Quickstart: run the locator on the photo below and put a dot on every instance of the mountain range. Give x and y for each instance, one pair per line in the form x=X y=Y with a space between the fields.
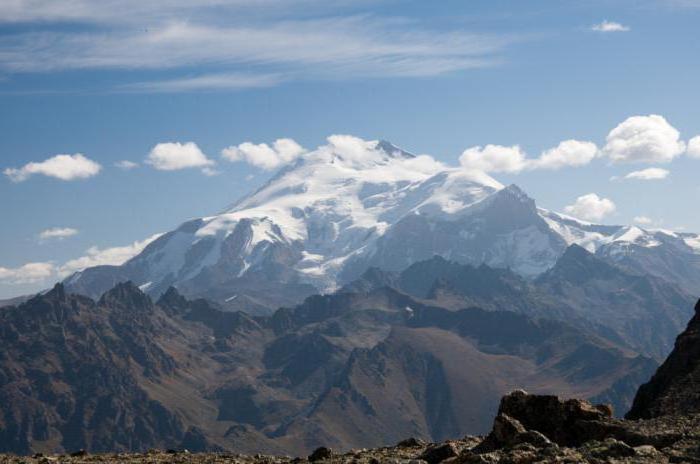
x=347 y=370
x=363 y=295
x=322 y=221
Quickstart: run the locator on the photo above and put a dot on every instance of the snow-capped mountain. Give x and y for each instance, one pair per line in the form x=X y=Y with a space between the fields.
x=352 y=204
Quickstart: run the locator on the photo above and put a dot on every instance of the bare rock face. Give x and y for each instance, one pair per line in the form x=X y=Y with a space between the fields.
x=538 y=419
x=675 y=388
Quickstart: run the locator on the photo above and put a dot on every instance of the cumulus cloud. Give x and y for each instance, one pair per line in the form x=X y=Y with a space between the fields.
x=172 y=156
x=591 y=207
x=573 y=153
x=494 y=158
x=126 y=165
x=27 y=274
x=648 y=174
x=264 y=156
x=643 y=220
x=694 y=147
x=96 y=256
x=58 y=233
x=499 y=158
x=609 y=26
x=64 y=167
x=643 y=139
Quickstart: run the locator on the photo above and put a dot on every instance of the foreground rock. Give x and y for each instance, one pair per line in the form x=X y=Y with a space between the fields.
x=527 y=429
x=675 y=388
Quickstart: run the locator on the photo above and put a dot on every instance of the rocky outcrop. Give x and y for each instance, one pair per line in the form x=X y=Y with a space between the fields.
x=675 y=388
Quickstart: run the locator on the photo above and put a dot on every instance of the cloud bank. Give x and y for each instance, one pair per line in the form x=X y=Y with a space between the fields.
x=27 y=274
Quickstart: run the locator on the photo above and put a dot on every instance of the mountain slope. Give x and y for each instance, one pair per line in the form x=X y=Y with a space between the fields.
x=351 y=205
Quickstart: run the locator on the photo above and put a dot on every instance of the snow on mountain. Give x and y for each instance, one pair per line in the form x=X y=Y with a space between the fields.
x=352 y=204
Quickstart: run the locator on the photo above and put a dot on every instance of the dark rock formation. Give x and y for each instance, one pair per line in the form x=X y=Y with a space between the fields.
x=675 y=388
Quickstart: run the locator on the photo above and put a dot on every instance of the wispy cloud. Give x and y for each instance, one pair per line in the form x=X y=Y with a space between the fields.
x=223 y=81
x=249 y=49
x=649 y=174
x=126 y=165
x=57 y=233
x=609 y=26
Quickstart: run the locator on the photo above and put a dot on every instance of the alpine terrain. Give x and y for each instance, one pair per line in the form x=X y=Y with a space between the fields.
x=352 y=204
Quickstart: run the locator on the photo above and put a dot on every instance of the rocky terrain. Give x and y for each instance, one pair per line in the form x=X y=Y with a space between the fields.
x=364 y=367
x=527 y=429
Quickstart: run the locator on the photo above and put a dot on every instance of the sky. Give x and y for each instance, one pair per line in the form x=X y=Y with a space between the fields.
x=121 y=119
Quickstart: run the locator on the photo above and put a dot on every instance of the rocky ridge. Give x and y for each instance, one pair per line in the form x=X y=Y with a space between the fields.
x=527 y=428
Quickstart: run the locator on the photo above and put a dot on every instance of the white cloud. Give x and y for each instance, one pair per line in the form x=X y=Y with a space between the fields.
x=64 y=167
x=185 y=35
x=494 y=158
x=27 y=274
x=104 y=256
x=573 y=153
x=498 y=158
x=173 y=156
x=32 y=273
x=643 y=220
x=126 y=165
x=58 y=233
x=644 y=139
x=591 y=207
x=694 y=147
x=217 y=81
x=648 y=174
x=282 y=151
x=609 y=26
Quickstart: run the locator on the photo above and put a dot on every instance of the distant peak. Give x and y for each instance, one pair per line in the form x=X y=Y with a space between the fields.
x=126 y=294
x=516 y=191
x=392 y=150
x=57 y=292
x=172 y=299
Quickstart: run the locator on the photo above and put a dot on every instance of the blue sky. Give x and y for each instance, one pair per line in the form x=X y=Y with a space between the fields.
x=112 y=80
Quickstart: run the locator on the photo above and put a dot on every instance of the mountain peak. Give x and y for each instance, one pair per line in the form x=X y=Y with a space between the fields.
x=126 y=294
x=392 y=150
x=58 y=292
x=578 y=265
